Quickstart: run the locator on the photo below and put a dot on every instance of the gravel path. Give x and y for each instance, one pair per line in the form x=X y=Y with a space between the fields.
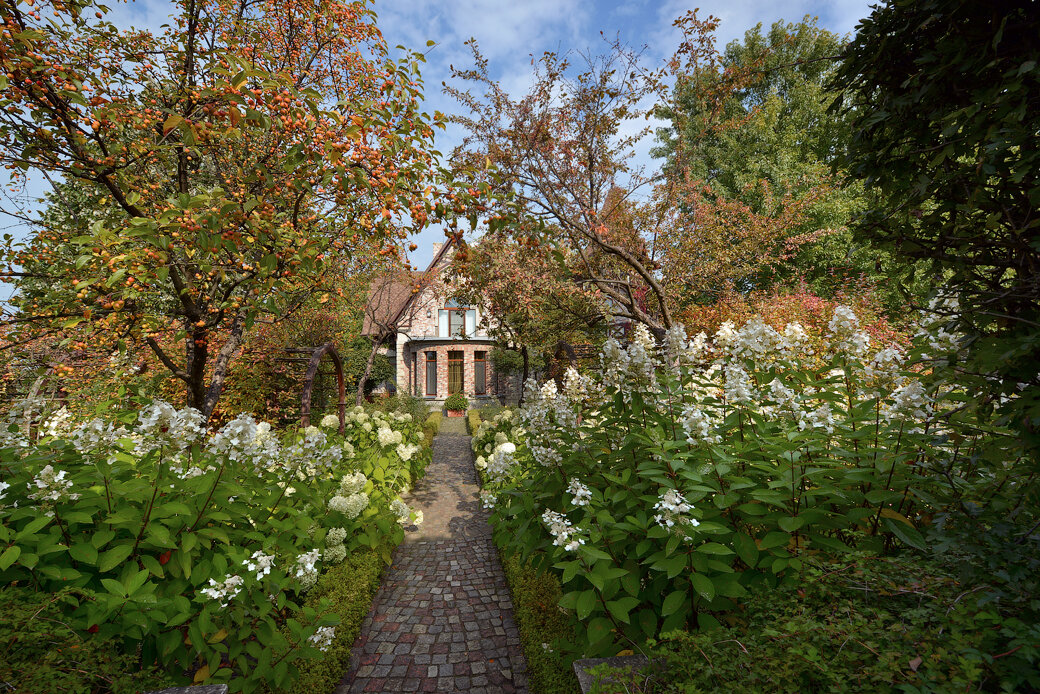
x=443 y=619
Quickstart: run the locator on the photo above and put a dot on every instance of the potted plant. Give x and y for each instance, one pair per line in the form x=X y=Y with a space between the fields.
x=456 y=405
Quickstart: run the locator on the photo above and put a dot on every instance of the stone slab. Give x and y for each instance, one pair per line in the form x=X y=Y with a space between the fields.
x=582 y=667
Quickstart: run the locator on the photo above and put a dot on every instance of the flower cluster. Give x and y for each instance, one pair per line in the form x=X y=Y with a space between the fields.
x=322 y=638
x=260 y=563
x=672 y=512
x=51 y=485
x=224 y=591
x=564 y=534
x=581 y=495
x=163 y=425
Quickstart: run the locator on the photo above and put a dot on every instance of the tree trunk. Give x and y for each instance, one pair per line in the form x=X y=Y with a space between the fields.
x=527 y=371
x=368 y=370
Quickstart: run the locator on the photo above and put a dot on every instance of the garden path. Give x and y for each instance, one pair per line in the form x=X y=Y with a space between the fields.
x=443 y=619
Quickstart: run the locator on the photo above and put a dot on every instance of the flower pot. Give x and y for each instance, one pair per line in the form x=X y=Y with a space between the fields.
x=456 y=413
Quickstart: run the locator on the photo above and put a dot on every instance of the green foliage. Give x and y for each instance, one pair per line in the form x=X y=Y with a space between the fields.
x=944 y=102
x=864 y=624
x=42 y=653
x=194 y=552
x=664 y=489
x=511 y=361
x=402 y=403
x=456 y=401
x=472 y=421
x=432 y=425
x=543 y=628
x=346 y=590
x=777 y=129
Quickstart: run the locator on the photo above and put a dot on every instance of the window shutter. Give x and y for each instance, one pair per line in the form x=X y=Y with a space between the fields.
x=471 y=323
x=442 y=323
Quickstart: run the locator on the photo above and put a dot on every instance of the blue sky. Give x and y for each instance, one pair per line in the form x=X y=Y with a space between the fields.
x=511 y=31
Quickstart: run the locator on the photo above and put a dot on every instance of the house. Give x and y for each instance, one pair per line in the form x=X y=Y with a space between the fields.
x=437 y=345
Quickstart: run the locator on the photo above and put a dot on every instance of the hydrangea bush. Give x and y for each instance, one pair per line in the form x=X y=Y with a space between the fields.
x=196 y=548
x=679 y=475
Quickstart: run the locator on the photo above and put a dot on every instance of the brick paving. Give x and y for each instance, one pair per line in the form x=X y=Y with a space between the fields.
x=443 y=619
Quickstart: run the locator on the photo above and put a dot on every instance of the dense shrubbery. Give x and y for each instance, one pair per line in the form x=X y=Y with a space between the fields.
x=863 y=624
x=678 y=479
x=197 y=550
x=42 y=653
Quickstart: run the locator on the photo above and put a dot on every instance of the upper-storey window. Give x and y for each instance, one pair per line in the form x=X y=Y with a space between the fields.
x=457 y=315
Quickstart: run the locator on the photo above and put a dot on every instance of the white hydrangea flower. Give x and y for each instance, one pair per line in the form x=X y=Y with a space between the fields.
x=335 y=536
x=564 y=534
x=306 y=563
x=502 y=461
x=235 y=439
x=58 y=423
x=260 y=563
x=697 y=424
x=738 y=387
x=755 y=340
x=223 y=591
x=910 y=401
x=334 y=554
x=796 y=339
x=96 y=436
x=330 y=421
x=480 y=463
x=400 y=509
x=726 y=335
x=51 y=485
x=580 y=493
x=844 y=322
x=488 y=499
x=161 y=424
x=820 y=418
x=388 y=437
x=353 y=483
x=350 y=506
x=406 y=450
x=322 y=638
x=673 y=512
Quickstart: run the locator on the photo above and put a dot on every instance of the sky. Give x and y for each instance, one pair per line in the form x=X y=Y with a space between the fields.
x=511 y=32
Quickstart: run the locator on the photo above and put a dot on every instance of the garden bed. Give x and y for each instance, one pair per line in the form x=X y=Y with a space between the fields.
x=246 y=556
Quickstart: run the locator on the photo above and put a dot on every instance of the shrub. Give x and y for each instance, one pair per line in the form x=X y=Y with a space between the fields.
x=863 y=624
x=346 y=590
x=472 y=421
x=456 y=401
x=432 y=426
x=197 y=551
x=683 y=475
x=492 y=432
x=42 y=653
x=543 y=628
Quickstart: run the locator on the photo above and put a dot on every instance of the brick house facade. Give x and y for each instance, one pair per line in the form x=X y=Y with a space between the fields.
x=438 y=346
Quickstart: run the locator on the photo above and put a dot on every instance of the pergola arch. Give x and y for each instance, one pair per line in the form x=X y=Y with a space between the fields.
x=308 y=384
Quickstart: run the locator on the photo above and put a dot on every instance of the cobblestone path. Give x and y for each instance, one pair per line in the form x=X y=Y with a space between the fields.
x=443 y=619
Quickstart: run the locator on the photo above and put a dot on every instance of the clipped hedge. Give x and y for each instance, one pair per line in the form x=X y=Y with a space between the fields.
x=473 y=421
x=539 y=620
x=349 y=589
x=432 y=426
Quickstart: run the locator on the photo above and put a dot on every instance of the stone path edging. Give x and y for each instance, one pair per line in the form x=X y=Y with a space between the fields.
x=443 y=619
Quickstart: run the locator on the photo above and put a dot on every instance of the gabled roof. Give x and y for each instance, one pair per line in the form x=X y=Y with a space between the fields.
x=396 y=292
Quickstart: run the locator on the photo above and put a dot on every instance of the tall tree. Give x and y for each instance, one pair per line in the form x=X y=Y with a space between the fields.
x=243 y=151
x=560 y=151
x=944 y=100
